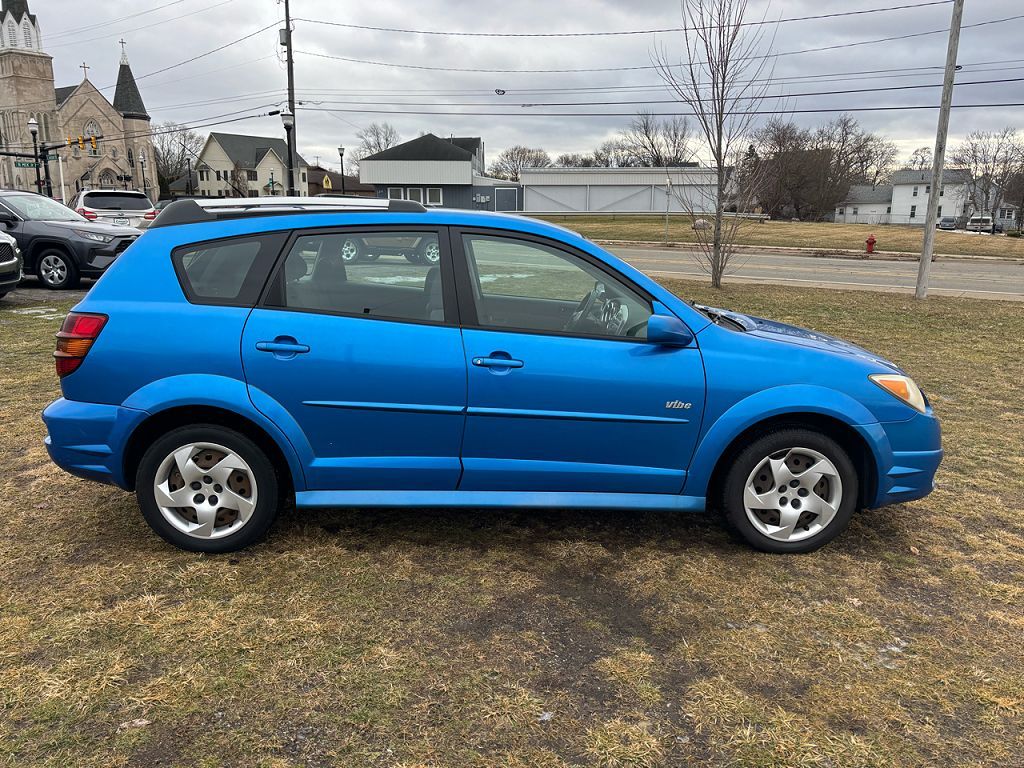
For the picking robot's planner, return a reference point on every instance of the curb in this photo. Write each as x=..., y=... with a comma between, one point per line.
x=820, y=253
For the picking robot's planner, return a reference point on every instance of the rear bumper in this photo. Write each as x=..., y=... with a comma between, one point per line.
x=88, y=439
x=908, y=453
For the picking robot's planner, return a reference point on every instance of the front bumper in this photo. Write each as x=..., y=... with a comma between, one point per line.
x=88, y=439
x=10, y=274
x=908, y=454
x=98, y=257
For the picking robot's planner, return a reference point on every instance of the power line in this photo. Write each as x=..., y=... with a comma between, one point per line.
x=207, y=53
x=78, y=41
x=617, y=33
x=87, y=28
x=904, y=107
x=676, y=101
x=651, y=66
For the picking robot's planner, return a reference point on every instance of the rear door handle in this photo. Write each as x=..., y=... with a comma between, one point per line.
x=497, y=362
x=283, y=346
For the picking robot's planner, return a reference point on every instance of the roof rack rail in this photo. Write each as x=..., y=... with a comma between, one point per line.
x=215, y=209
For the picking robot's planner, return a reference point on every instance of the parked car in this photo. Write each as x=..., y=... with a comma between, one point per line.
x=57, y=244
x=124, y=208
x=10, y=264
x=947, y=222
x=982, y=224
x=233, y=358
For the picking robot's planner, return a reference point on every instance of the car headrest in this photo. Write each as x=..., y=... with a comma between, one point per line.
x=295, y=268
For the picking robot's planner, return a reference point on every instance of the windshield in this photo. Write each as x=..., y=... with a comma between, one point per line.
x=117, y=201
x=39, y=208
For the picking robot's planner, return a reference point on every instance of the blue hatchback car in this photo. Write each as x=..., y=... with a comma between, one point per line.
x=372, y=353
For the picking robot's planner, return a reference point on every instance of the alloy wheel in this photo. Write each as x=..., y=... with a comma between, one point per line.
x=53, y=269
x=349, y=251
x=792, y=494
x=205, y=490
x=432, y=253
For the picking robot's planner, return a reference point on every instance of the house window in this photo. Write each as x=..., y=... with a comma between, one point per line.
x=888, y=209
x=434, y=196
x=395, y=193
x=254, y=193
x=939, y=212
x=942, y=190
x=927, y=189
x=218, y=175
x=415, y=194
x=913, y=210
x=303, y=177
x=251, y=175
x=854, y=211
x=915, y=192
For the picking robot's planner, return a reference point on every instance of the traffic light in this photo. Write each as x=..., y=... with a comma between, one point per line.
x=93, y=140
x=81, y=142
x=69, y=142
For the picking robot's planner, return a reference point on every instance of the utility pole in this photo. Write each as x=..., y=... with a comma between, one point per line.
x=286, y=40
x=940, y=151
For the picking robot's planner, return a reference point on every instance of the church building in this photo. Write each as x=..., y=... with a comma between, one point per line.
x=123, y=157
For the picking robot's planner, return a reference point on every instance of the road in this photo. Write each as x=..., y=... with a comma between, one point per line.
x=981, y=279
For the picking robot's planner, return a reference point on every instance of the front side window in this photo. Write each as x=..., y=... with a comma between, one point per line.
x=230, y=272
x=391, y=275
x=39, y=208
x=529, y=286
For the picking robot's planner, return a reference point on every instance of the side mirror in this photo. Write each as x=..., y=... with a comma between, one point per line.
x=668, y=330
x=7, y=218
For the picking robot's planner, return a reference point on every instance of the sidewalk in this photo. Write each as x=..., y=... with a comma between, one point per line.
x=809, y=252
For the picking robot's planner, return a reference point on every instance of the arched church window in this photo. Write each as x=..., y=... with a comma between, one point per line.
x=131, y=159
x=107, y=180
x=12, y=35
x=45, y=127
x=92, y=128
x=28, y=35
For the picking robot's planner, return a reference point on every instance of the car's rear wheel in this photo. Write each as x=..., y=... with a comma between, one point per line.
x=790, y=491
x=206, y=488
x=56, y=270
x=429, y=252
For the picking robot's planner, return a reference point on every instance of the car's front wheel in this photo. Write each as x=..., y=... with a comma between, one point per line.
x=56, y=270
x=206, y=488
x=790, y=491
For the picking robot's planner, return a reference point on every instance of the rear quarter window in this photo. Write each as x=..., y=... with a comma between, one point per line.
x=228, y=272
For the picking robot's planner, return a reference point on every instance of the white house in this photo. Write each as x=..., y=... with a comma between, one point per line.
x=232, y=165
x=911, y=189
x=865, y=204
x=613, y=190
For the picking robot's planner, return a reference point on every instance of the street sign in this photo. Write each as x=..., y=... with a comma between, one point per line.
x=51, y=158
x=25, y=164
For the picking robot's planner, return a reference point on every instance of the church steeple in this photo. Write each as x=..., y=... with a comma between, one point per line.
x=17, y=7
x=127, y=99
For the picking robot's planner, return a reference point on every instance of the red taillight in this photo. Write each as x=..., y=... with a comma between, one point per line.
x=75, y=339
x=150, y=215
x=88, y=214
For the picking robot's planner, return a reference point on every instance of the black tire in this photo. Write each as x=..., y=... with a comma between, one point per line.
x=772, y=443
x=429, y=252
x=264, y=478
x=46, y=276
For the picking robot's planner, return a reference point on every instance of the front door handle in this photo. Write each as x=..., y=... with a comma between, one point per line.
x=497, y=362
x=283, y=346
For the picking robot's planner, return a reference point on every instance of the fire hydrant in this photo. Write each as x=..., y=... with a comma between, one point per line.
x=871, y=243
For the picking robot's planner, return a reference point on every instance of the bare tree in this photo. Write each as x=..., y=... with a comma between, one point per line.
x=720, y=80
x=512, y=160
x=920, y=159
x=374, y=138
x=611, y=154
x=874, y=159
x=992, y=158
x=240, y=180
x=653, y=143
x=575, y=160
x=174, y=146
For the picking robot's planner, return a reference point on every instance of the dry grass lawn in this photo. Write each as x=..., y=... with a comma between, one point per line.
x=824, y=235
x=543, y=638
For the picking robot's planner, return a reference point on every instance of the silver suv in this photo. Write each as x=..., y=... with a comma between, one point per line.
x=125, y=208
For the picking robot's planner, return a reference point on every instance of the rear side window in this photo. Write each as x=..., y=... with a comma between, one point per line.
x=229, y=272
x=112, y=201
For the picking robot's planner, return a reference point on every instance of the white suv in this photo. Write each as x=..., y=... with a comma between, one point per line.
x=126, y=208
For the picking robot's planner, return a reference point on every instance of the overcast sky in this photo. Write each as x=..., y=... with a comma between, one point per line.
x=249, y=77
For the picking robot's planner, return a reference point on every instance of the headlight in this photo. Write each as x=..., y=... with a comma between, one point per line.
x=94, y=236
x=902, y=387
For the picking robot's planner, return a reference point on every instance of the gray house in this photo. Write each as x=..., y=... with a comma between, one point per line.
x=439, y=172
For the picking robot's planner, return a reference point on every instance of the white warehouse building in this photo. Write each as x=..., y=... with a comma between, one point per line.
x=617, y=190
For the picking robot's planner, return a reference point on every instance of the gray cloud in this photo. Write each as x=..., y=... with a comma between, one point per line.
x=250, y=75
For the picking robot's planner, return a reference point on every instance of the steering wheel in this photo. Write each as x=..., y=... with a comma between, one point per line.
x=584, y=308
